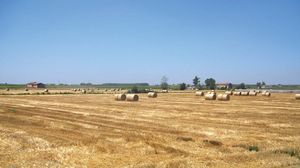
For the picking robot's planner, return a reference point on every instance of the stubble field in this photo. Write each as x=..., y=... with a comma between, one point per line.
x=173, y=130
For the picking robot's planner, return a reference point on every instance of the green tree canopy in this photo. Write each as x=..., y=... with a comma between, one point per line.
x=258, y=84
x=210, y=83
x=196, y=82
x=164, y=83
x=182, y=86
x=242, y=86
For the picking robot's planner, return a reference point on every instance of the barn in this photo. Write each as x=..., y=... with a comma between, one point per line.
x=224, y=85
x=35, y=85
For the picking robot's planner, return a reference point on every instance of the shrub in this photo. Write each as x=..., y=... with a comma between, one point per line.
x=253, y=148
x=134, y=89
x=289, y=151
x=182, y=86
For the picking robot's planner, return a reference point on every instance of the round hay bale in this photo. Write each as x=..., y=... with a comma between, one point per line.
x=132, y=97
x=83, y=91
x=267, y=94
x=120, y=97
x=199, y=93
x=245, y=93
x=297, y=96
x=210, y=96
x=228, y=92
x=252, y=93
x=236, y=93
x=7, y=89
x=152, y=94
x=223, y=97
x=164, y=91
x=46, y=90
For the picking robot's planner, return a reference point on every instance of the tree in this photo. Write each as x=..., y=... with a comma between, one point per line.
x=164, y=83
x=134, y=89
x=263, y=83
x=258, y=84
x=229, y=86
x=242, y=86
x=182, y=86
x=210, y=83
x=82, y=84
x=196, y=82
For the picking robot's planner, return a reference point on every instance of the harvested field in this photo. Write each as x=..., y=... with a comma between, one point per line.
x=173, y=130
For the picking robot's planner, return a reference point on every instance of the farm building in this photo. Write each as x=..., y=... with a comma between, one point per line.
x=224, y=85
x=35, y=85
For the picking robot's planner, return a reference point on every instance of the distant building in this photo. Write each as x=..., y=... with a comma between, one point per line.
x=190, y=88
x=224, y=85
x=35, y=85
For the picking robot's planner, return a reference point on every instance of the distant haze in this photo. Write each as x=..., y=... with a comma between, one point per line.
x=132, y=41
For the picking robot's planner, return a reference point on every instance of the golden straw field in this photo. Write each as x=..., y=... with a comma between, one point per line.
x=170, y=131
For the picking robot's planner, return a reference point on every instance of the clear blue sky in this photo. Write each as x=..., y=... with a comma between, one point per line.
x=73, y=41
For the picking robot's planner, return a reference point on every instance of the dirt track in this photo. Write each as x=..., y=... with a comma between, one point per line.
x=173, y=130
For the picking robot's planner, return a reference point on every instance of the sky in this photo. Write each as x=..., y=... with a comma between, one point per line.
x=130, y=41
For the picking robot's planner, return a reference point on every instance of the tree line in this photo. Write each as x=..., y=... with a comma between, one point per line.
x=209, y=83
